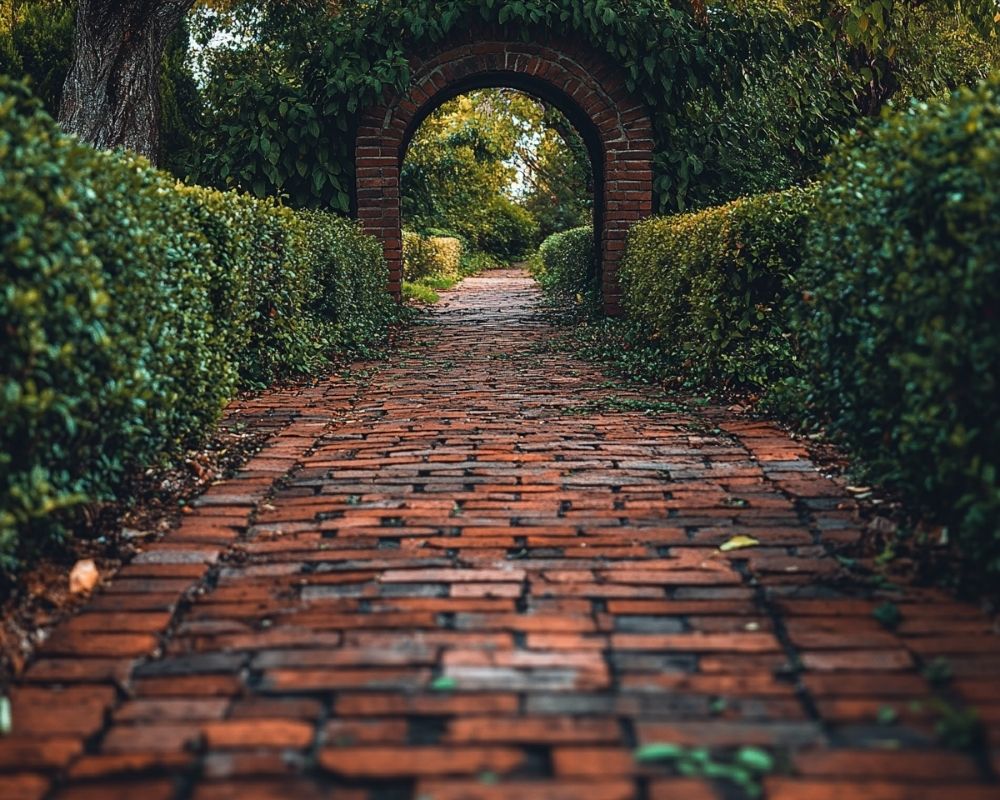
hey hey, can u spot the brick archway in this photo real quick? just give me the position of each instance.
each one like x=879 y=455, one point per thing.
x=582 y=84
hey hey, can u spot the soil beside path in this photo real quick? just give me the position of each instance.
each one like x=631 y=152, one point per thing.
x=474 y=578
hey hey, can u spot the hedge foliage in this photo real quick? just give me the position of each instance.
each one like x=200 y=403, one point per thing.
x=900 y=325
x=867 y=304
x=714 y=284
x=566 y=267
x=133 y=308
x=424 y=256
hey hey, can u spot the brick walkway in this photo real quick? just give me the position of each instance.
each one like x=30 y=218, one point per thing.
x=466 y=580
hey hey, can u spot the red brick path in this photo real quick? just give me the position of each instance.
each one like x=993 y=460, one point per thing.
x=460 y=587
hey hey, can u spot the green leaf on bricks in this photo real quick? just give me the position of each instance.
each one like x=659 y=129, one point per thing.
x=658 y=751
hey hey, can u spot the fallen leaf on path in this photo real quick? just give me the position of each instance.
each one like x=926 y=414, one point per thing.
x=658 y=751
x=740 y=542
x=756 y=759
x=83 y=577
x=200 y=471
x=6 y=718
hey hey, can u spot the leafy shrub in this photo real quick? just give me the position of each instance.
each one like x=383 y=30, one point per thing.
x=566 y=267
x=351 y=277
x=713 y=285
x=424 y=256
x=446 y=233
x=133 y=308
x=420 y=292
x=510 y=233
x=435 y=262
x=471 y=261
x=268 y=284
x=899 y=324
x=778 y=127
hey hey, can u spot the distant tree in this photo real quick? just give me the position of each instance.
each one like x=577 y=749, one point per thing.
x=559 y=175
x=480 y=154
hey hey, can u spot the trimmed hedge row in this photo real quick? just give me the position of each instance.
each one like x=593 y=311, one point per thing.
x=566 y=267
x=868 y=304
x=133 y=308
x=426 y=256
x=900 y=324
x=713 y=284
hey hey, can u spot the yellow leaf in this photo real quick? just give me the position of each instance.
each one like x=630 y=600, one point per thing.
x=738 y=543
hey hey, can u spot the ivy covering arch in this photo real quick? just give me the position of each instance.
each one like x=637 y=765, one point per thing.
x=289 y=120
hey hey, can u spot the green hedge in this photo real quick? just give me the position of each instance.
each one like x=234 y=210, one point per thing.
x=566 y=267
x=474 y=261
x=133 y=308
x=427 y=256
x=900 y=328
x=867 y=304
x=713 y=284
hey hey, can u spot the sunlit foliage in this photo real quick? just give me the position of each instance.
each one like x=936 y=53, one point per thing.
x=493 y=166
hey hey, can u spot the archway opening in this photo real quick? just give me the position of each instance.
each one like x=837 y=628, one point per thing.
x=489 y=173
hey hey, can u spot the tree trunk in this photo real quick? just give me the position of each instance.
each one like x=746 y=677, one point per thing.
x=882 y=85
x=112 y=97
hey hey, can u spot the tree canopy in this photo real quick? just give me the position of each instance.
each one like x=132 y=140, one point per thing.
x=747 y=95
